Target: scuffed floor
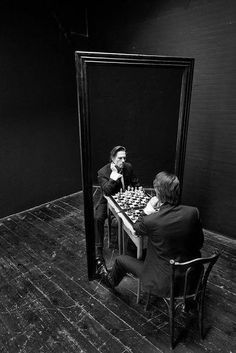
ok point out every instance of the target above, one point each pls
(48, 305)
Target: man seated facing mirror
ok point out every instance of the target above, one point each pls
(114, 176)
(174, 231)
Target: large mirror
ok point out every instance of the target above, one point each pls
(141, 102)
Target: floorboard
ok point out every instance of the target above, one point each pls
(48, 305)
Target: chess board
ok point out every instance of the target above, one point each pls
(132, 199)
(133, 214)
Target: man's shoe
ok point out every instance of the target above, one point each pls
(101, 268)
(104, 274)
(108, 280)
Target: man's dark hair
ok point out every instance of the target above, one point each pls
(115, 150)
(167, 187)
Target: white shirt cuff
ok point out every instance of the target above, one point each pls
(149, 209)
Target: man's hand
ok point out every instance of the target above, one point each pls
(151, 205)
(115, 175)
(154, 201)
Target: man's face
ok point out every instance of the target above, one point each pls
(119, 159)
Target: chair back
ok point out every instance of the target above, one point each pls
(189, 279)
(97, 195)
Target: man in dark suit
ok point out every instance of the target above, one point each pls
(114, 176)
(174, 231)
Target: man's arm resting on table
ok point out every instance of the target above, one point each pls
(139, 225)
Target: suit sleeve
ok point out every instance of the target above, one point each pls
(108, 185)
(199, 232)
(140, 227)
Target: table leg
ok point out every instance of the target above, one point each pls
(120, 236)
(124, 241)
(139, 256)
(108, 227)
(140, 248)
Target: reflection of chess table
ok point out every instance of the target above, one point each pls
(126, 207)
(131, 199)
(133, 214)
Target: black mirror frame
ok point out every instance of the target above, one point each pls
(82, 59)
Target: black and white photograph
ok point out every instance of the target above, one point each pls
(118, 176)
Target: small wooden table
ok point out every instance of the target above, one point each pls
(125, 225)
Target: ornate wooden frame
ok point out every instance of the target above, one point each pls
(84, 60)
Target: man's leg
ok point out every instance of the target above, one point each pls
(125, 264)
(100, 217)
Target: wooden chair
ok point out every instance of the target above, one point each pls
(97, 195)
(118, 224)
(191, 288)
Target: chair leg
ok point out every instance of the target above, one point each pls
(108, 228)
(120, 236)
(200, 317)
(140, 248)
(138, 291)
(171, 323)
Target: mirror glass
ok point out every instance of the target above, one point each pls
(137, 101)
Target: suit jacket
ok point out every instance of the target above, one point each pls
(174, 232)
(111, 187)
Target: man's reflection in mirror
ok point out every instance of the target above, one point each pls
(112, 177)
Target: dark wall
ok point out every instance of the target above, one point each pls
(116, 93)
(39, 143)
(206, 31)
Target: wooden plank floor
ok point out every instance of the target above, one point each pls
(48, 305)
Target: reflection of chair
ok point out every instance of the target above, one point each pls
(187, 286)
(112, 222)
(97, 194)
